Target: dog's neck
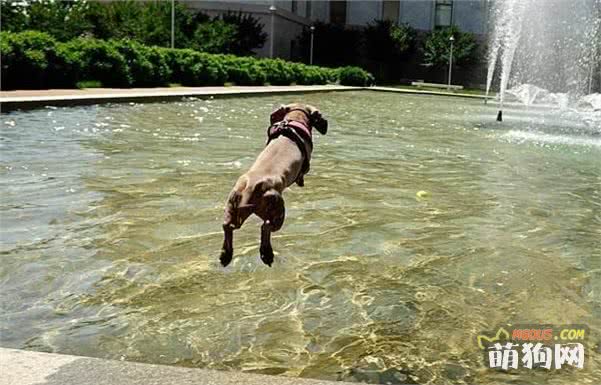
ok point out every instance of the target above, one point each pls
(299, 116)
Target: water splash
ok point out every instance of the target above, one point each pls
(552, 45)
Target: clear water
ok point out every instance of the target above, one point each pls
(111, 232)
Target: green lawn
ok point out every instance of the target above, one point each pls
(471, 91)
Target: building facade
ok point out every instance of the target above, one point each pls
(290, 17)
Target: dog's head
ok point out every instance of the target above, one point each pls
(316, 120)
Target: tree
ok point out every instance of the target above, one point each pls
(148, 22)
(386, 41)
(334, 45)
(216, 36)
(437, 46)
(249, 33)
(386, 44)
(64, 20)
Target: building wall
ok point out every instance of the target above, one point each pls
(417, 13)
(321, 11)
(363, 12)
(287, 25)
(471, 16)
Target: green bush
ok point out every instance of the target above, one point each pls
(354, 76)
(27, 59)
(191, 68)
(147, 65)
(279, 72)
(35, 60)
(244, 71)
(93, 59)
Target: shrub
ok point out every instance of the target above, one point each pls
(210, 70)
(191, 68)
(244, 71)
(278, 71)
(354, 76)
(27, 59)
(147, 65)
(93, 59)
(35, 60)
(181, 62)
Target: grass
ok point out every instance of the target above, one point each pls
(469, 91)
(88, 84)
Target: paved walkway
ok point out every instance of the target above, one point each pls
(11, 100)
(32, 98)
(21, 367)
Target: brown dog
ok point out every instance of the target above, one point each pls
(284, 161)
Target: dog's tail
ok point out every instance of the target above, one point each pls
(252, 195)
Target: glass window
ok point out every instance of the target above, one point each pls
(294, 6)
(443, 13)
(338, 12)
(390, 10)
(308, 11)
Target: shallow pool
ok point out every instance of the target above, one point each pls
(111, 231)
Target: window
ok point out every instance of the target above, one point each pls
(390, 10)
(443, 16)
(308, 10)
(338, 12)
(294, 6)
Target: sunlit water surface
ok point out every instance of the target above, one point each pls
(111, 221)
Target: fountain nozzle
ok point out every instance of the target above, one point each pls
(500, 116)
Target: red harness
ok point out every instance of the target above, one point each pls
(300, 134)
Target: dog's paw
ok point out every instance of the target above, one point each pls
(267, 256)
(226, 257)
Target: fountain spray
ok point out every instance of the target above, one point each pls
(548, 44)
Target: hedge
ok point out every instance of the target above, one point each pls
(35, 60)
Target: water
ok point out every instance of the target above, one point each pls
(548, 44)
(111, 233)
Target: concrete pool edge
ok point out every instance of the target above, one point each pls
(30, 99)
(24, 367)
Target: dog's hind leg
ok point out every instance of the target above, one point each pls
(230, 222)
(266, 250)
(277, 212)
(227, 251)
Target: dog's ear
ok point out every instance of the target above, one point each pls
(278, 115)
(318, 121)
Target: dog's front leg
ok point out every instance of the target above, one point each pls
(227, 251)
(265, 249)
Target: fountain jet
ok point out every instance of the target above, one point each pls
(548, 44)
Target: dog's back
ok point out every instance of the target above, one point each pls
(281, 163)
